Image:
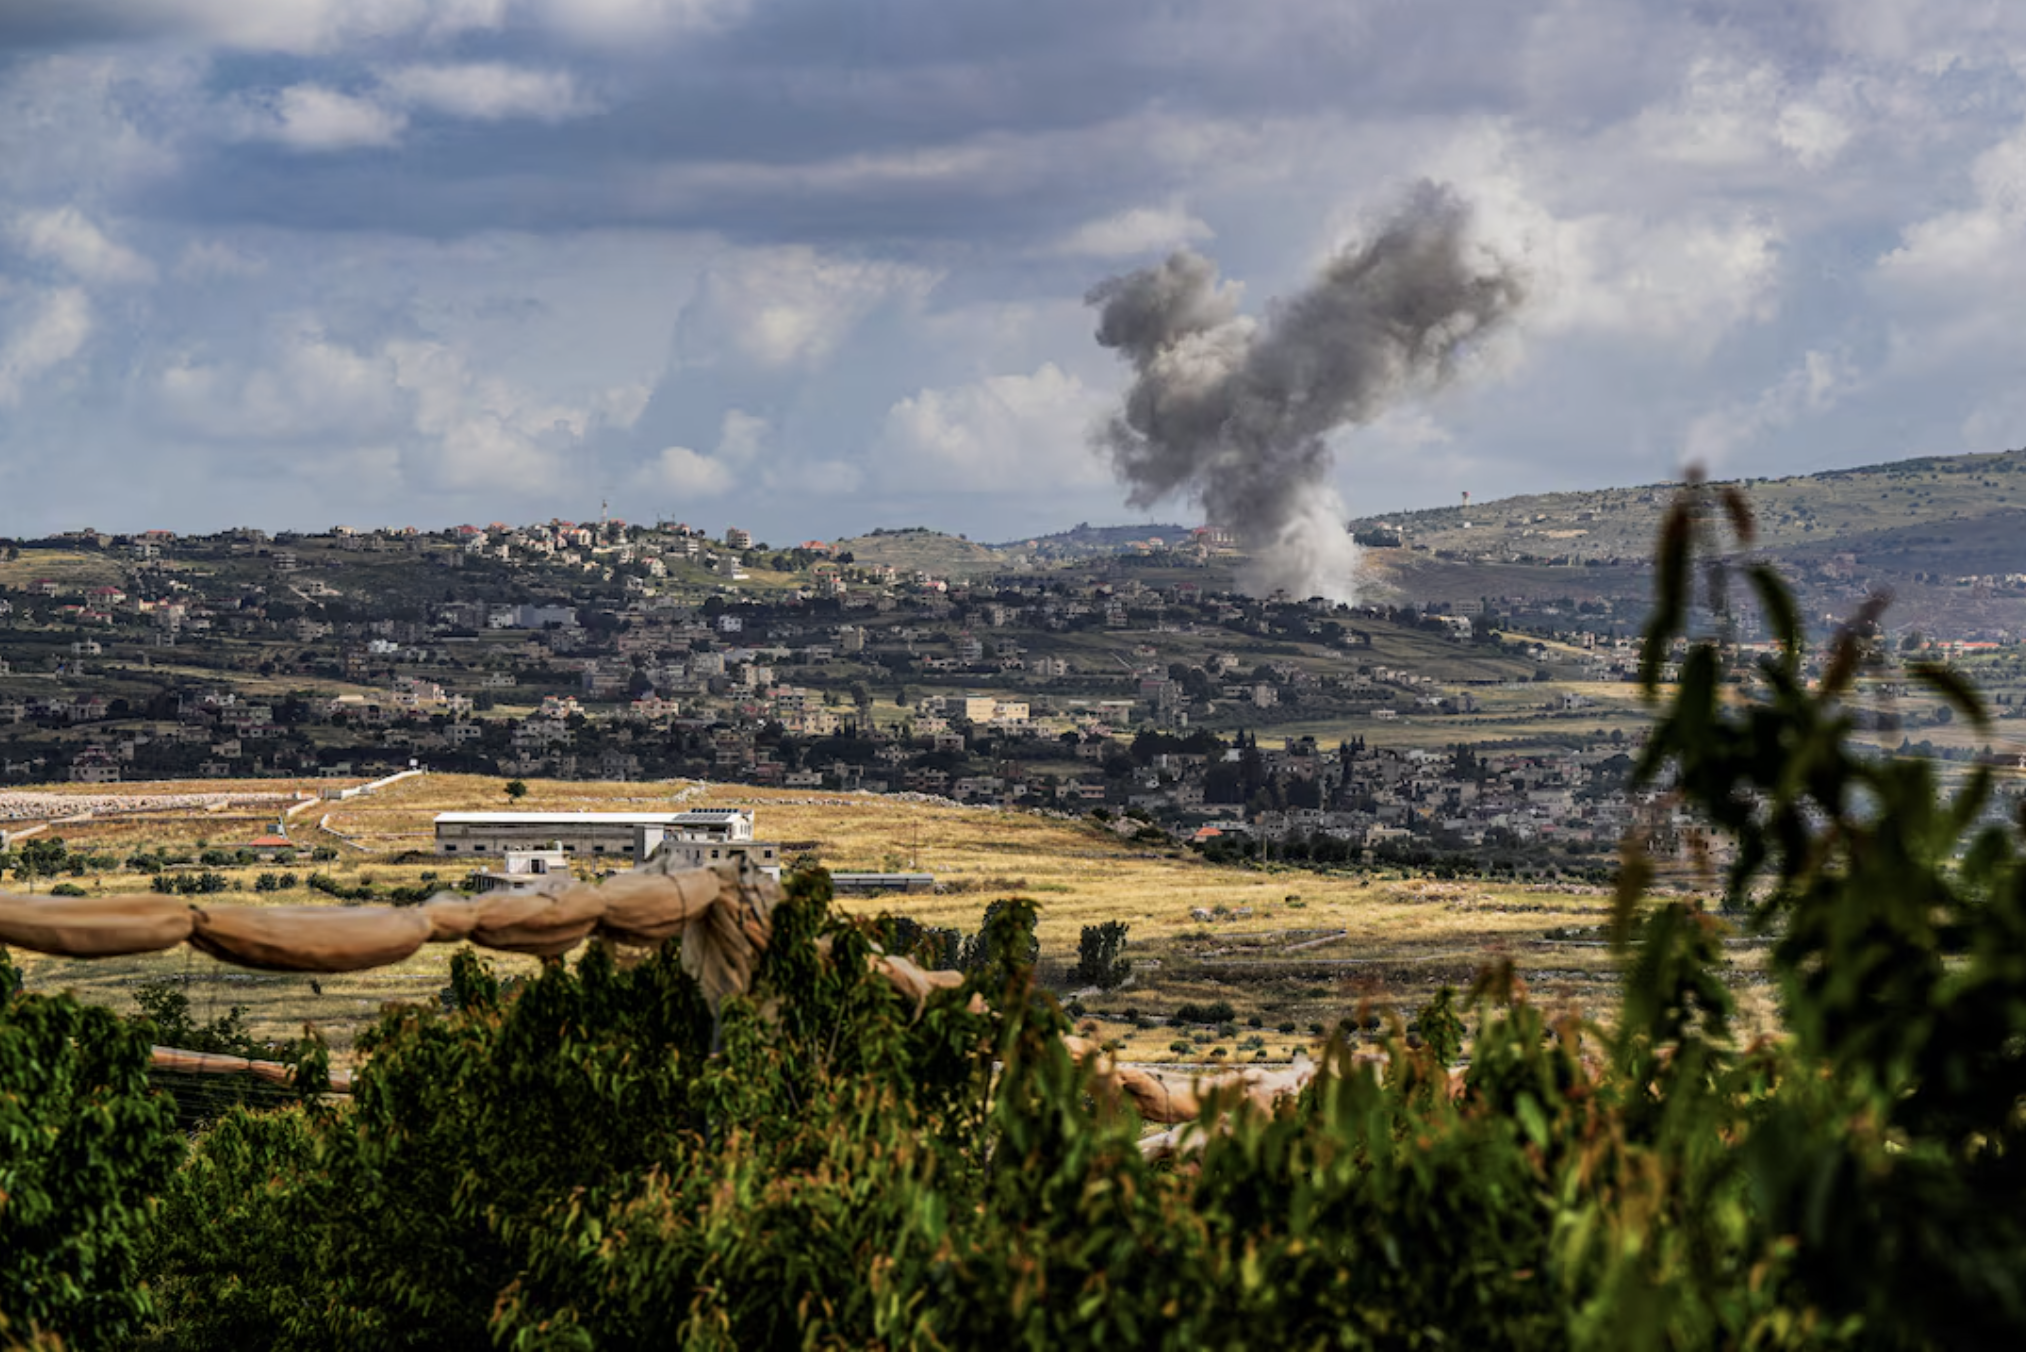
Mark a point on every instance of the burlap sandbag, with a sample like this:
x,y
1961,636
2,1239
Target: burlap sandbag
x,y
721,945
911,979
94,927
648,908
217,1063
309,938
542,925
451,918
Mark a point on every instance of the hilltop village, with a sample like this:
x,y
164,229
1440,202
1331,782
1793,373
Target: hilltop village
x,y
1124,678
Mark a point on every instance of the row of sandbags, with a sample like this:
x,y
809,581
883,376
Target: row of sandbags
x,y
217,1063
723,915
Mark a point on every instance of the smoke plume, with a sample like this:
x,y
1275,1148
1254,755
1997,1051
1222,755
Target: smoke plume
x,y
1235,412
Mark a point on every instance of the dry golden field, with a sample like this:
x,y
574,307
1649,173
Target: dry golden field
x,y
1291,949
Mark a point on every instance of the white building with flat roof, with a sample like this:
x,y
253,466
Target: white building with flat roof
x,y
697,838
629,836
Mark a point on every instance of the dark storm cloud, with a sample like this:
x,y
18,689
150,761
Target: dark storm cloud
x,y
826,123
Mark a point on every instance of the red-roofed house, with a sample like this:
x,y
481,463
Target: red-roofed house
x,y
269,845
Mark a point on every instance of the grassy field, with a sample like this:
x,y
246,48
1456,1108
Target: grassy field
x,y
1290,949
72,568
924,550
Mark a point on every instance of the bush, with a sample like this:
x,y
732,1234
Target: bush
x,y
166,1008
188,884
494,1139
68,890
1217,1011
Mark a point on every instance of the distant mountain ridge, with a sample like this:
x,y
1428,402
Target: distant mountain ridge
x,y
1870,508
1943,535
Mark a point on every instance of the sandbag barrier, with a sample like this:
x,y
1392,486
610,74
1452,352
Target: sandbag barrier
x,y
179,1062
724,916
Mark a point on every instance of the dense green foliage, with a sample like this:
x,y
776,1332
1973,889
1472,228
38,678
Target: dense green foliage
x,y
592,1160
83,1146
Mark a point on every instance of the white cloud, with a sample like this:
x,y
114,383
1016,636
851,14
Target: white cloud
x,y
70,240
315,118
1684,281
1743,116
304,27
621,21
312,27
93,126
1972,245
458,428
790,307
1814,133
486,91
1010,433
1935,36
678,469
742,438
622,405
480,432
313,389
740,457
1138,231
1678,276
53,334
1817,383
214,258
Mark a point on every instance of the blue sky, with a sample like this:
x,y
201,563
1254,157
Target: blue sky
x,y
817,266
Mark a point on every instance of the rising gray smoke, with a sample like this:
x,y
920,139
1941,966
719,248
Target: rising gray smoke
x,y
1235,412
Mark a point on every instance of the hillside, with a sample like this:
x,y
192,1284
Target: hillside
x,y
916,548
1941,534
1847,508
1084,539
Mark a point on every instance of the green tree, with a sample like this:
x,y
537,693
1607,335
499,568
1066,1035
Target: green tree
x,y
1100,955
84,1145
516,789
41,857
